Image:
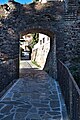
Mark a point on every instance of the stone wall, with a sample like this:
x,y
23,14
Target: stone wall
x,y
40,50
50,19
69,48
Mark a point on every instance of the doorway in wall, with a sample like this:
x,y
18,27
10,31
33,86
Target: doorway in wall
x,y
34,49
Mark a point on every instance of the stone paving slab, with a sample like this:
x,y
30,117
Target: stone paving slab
x,y
34,97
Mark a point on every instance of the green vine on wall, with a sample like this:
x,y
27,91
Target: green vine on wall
x,y
34,40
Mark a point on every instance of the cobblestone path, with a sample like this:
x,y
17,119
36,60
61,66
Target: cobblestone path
x,y
35,97
24,64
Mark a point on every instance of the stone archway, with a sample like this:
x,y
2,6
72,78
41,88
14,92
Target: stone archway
x,y
28,19
50,64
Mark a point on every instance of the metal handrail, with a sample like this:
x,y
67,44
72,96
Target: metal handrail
x,y
70,90
71,76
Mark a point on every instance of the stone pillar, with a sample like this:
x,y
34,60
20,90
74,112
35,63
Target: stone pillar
x,y
50,65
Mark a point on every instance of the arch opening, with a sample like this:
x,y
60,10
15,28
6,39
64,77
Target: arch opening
x,y
41,52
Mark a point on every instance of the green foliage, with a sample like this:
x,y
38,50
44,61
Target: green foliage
x,y
34,40
35,63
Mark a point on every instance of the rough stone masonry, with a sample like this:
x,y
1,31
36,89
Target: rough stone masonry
x,y
59,20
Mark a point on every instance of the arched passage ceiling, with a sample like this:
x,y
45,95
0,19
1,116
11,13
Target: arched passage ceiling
x,y
38,30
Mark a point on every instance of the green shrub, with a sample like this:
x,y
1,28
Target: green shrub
x,y
35,63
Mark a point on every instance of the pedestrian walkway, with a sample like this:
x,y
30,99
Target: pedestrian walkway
x,y
36,96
